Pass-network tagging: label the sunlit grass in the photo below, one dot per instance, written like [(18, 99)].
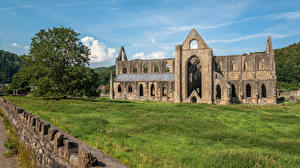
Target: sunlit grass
[(156, 134)]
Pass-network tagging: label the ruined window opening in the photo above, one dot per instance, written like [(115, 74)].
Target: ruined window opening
[(134, 70), (129, 88), (145, 69), (194, 99), (193, 44), (233, 65), (263, 91), (248, 90), (141, 90), (152, 90), (167, 68), (156, 69), (119, 89), (218, 89), (124, 69), (164, 91)]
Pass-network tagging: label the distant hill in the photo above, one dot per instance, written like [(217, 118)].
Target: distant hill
[(9, 65), (104, 74), (288, 66)]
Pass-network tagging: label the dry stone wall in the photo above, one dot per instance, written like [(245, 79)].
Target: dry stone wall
[(51, 146)]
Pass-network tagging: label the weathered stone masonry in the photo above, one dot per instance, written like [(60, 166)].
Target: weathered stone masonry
[(51, 146), (196, 75)]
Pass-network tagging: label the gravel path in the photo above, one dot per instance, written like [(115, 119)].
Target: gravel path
[(5, 162)]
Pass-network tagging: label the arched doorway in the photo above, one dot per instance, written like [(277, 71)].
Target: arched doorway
[(194, 76), (194, 99), (141, 90), (218, 92)]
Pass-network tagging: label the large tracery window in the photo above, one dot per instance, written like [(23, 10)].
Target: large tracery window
[(194, 76), (193, 44)]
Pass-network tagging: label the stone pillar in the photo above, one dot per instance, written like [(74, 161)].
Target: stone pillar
[(177, 93)]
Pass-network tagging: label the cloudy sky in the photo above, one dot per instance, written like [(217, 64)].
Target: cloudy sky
[(151, 28)]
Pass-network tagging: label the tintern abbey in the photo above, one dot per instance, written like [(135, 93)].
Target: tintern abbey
[(196, 75)]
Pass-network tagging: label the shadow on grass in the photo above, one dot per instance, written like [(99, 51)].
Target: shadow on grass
[(86, 99)]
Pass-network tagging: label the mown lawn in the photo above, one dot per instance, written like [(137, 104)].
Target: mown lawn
[(149, 134)]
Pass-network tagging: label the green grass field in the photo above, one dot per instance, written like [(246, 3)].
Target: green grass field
[(149, 134)]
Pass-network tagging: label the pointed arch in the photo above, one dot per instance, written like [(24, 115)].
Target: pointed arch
[(156, 68), (263, 91), (246, 65), (194, 76), (248, 90), (145, 69), (119, 88), (193, 44), (233, 66), (167, 67), (129, 88), (218, 92)]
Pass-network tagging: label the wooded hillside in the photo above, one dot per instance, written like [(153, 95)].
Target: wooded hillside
[(9, 65)]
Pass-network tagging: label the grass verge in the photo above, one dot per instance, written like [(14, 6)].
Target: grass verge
[(158, 134), (15, 147)]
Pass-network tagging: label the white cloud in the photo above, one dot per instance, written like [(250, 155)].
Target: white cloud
[(153, 55), (15, 7), (14, 44), (99, 53)]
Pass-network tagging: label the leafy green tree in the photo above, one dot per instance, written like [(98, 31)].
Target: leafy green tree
[(57, 65)]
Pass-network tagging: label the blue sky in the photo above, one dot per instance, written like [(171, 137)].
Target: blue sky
[(152, 28)]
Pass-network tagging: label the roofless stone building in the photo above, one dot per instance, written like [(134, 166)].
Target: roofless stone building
[(196, 75)]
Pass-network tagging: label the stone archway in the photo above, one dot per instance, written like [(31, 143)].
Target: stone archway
[(194, 76)]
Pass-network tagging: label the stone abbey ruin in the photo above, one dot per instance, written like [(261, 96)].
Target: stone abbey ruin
[(196, 75)]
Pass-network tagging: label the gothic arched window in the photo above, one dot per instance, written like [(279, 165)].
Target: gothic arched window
[(248, 90), (134, 69), (145, 69), (193, 44), (167, 68), (156, 69)]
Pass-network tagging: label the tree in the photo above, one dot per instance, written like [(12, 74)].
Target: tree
[(57, 65)]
